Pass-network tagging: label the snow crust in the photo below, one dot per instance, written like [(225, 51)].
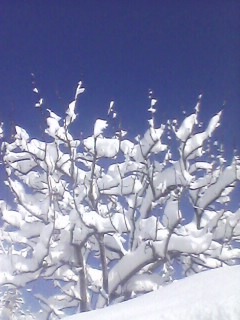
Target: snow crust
[(210, 295)]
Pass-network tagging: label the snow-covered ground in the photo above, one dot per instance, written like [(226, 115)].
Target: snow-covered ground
[(210, 295)]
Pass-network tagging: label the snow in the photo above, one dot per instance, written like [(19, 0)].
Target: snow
[(105, 147), (99, 126), (111, 106), (186, 127), (73, 193), (210, 295)]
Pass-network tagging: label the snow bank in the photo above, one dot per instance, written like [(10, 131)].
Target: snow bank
[(210, 295)]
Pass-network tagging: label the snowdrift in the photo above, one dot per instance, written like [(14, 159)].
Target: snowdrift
[(210, 295)]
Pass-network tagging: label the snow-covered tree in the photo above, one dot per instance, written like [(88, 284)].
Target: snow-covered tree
[(12, 305), (104, 218)]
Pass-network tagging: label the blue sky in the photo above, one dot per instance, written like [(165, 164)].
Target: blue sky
[(120, 49)]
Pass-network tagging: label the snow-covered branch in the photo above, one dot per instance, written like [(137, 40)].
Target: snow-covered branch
[(104, 218)]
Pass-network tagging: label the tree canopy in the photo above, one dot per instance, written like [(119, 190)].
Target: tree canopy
[(103, 218)]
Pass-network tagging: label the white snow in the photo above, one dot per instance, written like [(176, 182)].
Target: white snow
[(80, 89), (186, 127), (111, 106), (99, 126), (210, 295)]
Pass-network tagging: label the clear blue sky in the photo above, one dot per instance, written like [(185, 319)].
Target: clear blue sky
[(120, 49)]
